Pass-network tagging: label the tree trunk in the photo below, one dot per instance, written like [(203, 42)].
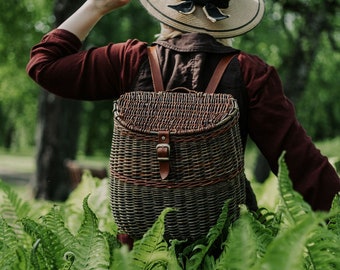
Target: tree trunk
[(57, 133)]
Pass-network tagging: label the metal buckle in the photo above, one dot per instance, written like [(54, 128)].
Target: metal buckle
[(163, 145)]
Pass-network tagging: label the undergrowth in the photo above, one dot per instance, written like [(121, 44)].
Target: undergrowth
[(81, 234)]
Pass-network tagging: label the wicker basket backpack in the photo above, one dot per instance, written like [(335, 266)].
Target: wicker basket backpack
[(176, 148)]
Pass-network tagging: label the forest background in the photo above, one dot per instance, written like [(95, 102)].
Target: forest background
[(299, 37)]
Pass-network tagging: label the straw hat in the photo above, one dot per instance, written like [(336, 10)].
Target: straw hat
[(219, 18)]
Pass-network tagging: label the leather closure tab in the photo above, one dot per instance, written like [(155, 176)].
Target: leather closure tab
[(163, 153)]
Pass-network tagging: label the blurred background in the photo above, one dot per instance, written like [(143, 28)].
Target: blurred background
[(46, 142)]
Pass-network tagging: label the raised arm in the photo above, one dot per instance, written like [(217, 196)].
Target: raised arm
[(58, 64), (85, 18)]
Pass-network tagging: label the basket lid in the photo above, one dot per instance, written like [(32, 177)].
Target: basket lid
[(176, 112)]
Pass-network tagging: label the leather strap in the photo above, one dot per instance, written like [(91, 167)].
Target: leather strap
[(219, 71), (163, 153), (156, 74)]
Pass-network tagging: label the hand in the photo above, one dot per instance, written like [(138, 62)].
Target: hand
[(106, 6), (82, 21)]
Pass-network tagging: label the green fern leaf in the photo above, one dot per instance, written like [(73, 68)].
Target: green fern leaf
[(241, 247), (323, 250), (295, 208), (38, 259), (69, 257), (98, 201), (113, 245), (12, 253), (202, 249), (92, 249), (270, 220), (152, 250), (121, 259), (55, 222), (12, 209), (286, 251), (7, 235), (49, 242), (334, 220), (14, 259), (265, 229)]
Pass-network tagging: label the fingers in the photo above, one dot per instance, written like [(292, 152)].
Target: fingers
[(106, 6)]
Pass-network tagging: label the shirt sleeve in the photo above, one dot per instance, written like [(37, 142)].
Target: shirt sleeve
[(59, 65), (273, 126)]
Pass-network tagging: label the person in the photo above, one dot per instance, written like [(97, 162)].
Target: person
[(194, 35)]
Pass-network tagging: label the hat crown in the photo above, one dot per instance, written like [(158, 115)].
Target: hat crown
[(217, 3), (219, 18)]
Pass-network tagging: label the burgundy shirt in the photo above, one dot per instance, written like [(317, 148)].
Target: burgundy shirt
[(58, 65)]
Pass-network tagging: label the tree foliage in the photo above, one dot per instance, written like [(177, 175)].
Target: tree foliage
[(21, 25), (300, 38)]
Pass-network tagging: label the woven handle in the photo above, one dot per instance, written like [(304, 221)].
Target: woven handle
[(181, 90)]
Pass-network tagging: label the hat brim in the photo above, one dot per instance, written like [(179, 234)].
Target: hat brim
[(243, 16)]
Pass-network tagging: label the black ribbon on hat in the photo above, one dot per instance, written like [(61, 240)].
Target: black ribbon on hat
[(211, 8)]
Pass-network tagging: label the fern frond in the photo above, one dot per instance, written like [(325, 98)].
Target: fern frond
[(69, 257), (270, 220), (294, 205), (14, 202), (14, 259), (37, 259), (221, 224), (113, 245), (334, 220), (12, 253), (323, 250), (12, 209), (91, 250), (7, 235), (74, 213), (201, 249), (98, 201), (178, 249), (49, 242), (54, 221), (287, 250), (240, 251), (152, 249), (265, 229), (121, 259)]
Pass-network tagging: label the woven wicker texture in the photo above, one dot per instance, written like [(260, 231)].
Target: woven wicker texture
[(206, 162)]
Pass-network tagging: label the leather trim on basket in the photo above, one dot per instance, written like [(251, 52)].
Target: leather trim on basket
[(163, 153)]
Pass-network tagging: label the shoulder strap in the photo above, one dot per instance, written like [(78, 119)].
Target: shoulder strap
[(157, 75), (155, 69), (219, 71)]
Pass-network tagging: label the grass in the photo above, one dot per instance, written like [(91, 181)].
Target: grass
[(16, 163), (330, 147), (25, 163)]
